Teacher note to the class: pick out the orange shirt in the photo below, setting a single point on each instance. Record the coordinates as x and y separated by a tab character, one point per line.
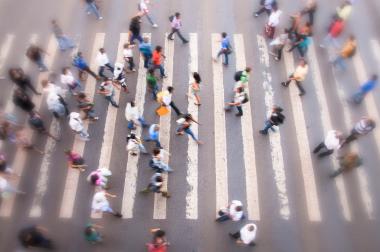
156	58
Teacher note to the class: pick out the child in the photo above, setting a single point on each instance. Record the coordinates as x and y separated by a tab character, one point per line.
128	56
119	76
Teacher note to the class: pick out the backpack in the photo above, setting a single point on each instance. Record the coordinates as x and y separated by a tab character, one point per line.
36	122
155	167
171	18
238	75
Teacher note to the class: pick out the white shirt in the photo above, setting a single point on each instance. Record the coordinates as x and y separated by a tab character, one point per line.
274	18
75	122
176	23
127	52
3	183
167	98
52	88
99	201
131	113
248	236
67	78
52	101
332	141
235	215
102	59
144	6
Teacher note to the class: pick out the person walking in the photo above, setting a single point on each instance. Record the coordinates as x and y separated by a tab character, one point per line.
225	49
57	105
76	124
364	89
273	21
164	98
195	88
143	8
100	177
154	131
82	66
333	141
298	76
64	42
240	98
67	78
91	234
234	212
103	62
128	56
347	163
75	160
35	121
184	126
176	25
302	45
135	29
22	80
278	45
157	60
335	30
157	162
364	126
133	116
107	88
266	6
34	53
145	49
35	236
348	51
119	76
159	242
152	83
134	145
100	203
87	107
275	119
6	189
22	100
246	235
92	8
155	185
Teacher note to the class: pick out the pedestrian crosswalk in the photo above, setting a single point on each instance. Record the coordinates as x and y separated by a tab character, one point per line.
254	194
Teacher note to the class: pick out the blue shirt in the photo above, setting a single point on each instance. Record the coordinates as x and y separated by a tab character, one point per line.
152	133
225	43
145	48
80	62
368	86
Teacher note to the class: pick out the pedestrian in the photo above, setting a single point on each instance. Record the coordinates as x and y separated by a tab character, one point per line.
6	189
93	8
164	98
67	78
76	124
333	141
364	89
176	25
135	145
145	49
103	62
63	41
75	160
309	10
57	105
87	107
143	8
240	98
159	242
35	121
128	56
302	44
100	203
348	51
234	212
273	21
35	236
152	83
34	53
275	119
154	131
157	62
157	162
298	76
184	126
347	162
22	100
119	76
195	88
246	235
22	80
82	66
135	29
91	234
361	128
344	10
133	116
335	30
107	88
266	6
242	78
278	45
225	49
100	177
155	185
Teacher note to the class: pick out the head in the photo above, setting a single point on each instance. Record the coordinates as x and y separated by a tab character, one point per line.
14	73
101	50
238	209
67	152
275	6
248	69
351	37
374	77
170	89
65	70
81	95
156	151
251	228
151	71
126	45
240	89
54	22
177	15
369	122
159	179
303	62
132	103
157	127
44	83
159	48
79	54
146	40
88	231
277	109
224	34
197	77
94	178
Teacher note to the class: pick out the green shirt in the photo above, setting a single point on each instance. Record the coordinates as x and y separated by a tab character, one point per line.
244	77
151	80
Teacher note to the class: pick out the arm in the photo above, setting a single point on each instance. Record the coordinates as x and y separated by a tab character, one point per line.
111	195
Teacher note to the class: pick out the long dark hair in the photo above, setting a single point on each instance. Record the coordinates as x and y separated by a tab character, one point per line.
197	77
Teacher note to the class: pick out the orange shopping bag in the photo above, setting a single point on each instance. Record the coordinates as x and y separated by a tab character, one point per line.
162	110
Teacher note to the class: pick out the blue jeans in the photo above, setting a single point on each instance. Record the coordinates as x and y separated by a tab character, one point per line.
147	59
134	36
65	43
111	100
358	97
76	85
268	125
143	123
158	144
154	92
41	65
162	70
225	56
340	61
190	133
91	7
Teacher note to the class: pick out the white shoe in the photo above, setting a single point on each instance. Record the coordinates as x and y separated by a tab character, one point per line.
155	25
88	13
100	18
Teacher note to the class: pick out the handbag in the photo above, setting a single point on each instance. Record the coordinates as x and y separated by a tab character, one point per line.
162	110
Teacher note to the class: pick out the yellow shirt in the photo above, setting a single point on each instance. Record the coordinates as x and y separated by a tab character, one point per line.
344	12
348	48
301	72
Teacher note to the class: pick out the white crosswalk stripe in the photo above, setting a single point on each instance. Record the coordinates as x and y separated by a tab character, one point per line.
4	50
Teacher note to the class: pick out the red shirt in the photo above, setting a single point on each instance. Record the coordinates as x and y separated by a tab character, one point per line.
156	58
336	28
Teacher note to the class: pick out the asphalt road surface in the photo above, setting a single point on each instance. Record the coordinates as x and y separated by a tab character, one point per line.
285	189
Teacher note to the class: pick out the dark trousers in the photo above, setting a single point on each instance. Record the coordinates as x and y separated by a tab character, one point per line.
147	58
131	63
352	137
135	36
179	35
174	107
320	147
102	68
298	84
279	52
262	9
225	55
89	71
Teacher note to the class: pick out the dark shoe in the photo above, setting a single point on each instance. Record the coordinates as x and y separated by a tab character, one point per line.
263	132
301	94
284	84
118	215
255	14
238	114
185	42
170	38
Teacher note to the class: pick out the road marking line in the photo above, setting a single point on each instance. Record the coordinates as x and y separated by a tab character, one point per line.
109	128
159	211
253	207
72	178
192	152
274	139
327	125
5	49
131	172
219	129
311	194
21	155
